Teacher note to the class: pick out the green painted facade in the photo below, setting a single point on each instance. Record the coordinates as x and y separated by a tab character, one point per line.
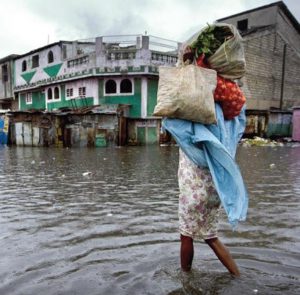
75	103
38	101
151	96
70	103
28	76
151	135
52	71
146	135
141	135
133	100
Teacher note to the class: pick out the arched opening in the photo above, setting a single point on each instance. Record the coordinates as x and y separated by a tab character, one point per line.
56	93
49	94
24	66
50	57
126	86
111	86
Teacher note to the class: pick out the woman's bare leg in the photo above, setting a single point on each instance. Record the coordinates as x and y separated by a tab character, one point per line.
186	253
224	255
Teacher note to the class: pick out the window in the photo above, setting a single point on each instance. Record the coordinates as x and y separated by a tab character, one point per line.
119	86
69	92
110	87
4	73
53	93
49	94
78	61
64	51
56	93
35	61
50	57
126	86
24	66
242	25
28	98
82	91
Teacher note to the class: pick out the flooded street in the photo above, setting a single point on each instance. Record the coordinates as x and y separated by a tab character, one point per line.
104	221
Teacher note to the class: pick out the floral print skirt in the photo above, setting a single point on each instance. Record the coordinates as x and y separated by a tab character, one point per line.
199	203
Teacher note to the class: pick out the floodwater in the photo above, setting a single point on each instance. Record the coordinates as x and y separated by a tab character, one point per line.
104	221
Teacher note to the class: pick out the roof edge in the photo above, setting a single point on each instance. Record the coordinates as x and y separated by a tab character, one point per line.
42	48
279	4
8	58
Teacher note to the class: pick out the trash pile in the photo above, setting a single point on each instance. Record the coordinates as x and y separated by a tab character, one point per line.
259	141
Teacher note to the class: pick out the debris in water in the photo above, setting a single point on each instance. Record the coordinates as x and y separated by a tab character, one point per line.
109	214
272	165
88	173
32	162
259	141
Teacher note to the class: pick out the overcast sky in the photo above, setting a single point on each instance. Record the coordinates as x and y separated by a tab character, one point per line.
28	24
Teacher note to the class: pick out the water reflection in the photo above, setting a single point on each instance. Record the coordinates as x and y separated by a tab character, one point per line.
104	221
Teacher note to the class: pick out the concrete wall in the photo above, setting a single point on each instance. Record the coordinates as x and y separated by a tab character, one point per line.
262	17
38	73
77	64
264	50
263	79
287	31
6	87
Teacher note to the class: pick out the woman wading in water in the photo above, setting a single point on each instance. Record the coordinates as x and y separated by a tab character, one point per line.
208	174
199	207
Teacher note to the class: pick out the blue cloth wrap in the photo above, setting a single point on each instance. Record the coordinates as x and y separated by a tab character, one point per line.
214	146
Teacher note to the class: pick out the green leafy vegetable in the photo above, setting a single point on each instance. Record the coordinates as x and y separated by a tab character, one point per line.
210	39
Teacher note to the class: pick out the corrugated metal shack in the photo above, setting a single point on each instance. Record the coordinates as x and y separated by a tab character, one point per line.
91	127
269	123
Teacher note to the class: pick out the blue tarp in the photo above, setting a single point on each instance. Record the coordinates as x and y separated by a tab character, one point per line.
3	134
214	146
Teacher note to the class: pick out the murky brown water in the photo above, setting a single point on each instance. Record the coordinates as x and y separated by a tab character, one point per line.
115	231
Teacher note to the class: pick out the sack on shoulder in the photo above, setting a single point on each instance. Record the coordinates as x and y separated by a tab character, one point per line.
229	60
186	92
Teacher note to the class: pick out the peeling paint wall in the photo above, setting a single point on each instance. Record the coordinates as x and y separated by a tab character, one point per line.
279	124
65	130
144	132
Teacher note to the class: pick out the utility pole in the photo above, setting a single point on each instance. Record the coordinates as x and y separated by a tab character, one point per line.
282	76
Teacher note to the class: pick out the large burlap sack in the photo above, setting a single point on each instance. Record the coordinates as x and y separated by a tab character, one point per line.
186	92
229	60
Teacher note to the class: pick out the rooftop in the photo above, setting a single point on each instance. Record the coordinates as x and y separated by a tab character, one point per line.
279	4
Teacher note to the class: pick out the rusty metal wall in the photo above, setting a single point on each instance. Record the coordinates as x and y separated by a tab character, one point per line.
143	131
68	130
279	124
96	130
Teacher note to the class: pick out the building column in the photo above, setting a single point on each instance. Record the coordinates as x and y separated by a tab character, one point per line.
144	95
